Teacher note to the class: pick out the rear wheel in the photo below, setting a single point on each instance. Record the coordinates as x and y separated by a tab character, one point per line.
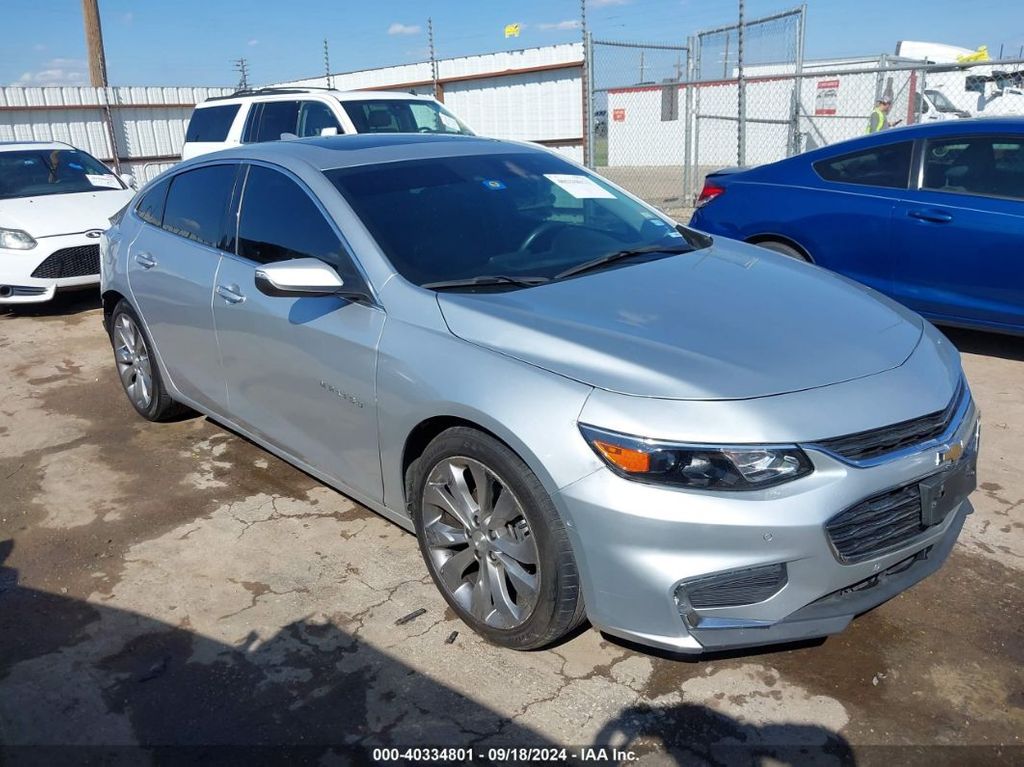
137	369
784	249
493	541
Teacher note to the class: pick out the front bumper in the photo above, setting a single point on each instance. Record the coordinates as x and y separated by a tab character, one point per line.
636	543
19	286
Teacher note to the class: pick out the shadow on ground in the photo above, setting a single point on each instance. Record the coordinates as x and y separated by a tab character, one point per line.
309	691
989	344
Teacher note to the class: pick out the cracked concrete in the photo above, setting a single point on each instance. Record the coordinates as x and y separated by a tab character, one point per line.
174	583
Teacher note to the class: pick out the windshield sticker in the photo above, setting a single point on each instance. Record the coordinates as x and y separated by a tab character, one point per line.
493	183
75	166
580	187
106	180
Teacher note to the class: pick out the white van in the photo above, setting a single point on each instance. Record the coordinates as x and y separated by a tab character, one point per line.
269	114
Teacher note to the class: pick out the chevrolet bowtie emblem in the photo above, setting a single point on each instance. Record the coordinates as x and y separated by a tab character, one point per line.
951	454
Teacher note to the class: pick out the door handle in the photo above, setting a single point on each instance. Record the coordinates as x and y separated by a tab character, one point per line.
230	293
934	216
145	260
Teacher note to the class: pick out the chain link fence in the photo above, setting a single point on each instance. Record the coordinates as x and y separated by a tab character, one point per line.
665	116
638	129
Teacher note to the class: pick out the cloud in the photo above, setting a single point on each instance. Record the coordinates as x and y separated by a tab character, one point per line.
561	25
39	47
254	41
127	18
404	29
56	72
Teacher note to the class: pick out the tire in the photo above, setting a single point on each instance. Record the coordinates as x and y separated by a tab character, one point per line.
784	249
137	368
464	535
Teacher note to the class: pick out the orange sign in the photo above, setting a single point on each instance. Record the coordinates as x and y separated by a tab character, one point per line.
619	115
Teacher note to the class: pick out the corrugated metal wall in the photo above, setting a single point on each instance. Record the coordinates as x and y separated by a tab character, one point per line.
534	94
144	131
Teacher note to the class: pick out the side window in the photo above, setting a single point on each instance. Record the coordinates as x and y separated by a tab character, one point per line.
984	165
314	117
885	166
279	221
211	123
277	117
197	202
151	207
252	122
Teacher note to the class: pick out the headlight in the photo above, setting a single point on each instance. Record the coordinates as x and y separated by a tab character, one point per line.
15	239
699	467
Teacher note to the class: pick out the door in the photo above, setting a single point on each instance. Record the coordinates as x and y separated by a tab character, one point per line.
300	372
852	225
171	269
958	241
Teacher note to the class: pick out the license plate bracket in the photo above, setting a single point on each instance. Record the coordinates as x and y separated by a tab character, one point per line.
943	492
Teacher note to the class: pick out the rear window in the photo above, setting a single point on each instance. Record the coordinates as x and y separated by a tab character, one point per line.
211	123
197	202
885	166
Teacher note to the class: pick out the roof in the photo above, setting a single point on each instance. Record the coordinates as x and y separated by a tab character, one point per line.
286	93
327	152
16	146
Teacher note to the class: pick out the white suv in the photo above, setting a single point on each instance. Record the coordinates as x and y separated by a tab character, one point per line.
269	114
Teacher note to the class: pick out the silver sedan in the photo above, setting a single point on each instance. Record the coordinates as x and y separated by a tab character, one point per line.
582	409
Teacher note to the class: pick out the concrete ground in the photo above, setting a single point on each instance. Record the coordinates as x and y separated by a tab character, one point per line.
169	584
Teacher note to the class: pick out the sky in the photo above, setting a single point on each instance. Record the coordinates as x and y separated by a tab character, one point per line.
194	42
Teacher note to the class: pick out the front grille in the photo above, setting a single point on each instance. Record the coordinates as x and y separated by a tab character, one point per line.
881	523
80	261
865	445
734	588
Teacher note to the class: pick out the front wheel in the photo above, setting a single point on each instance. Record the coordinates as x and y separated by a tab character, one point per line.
784	249
493	541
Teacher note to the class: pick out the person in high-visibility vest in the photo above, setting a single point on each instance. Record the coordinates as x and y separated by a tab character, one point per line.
879	119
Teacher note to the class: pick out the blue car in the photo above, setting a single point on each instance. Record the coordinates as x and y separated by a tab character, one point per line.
931	215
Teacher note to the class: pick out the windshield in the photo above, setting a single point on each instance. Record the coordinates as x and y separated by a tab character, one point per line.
938	98
33	172
402	116
521	215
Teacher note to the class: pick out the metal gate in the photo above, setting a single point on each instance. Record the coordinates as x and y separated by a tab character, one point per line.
638	126
738	119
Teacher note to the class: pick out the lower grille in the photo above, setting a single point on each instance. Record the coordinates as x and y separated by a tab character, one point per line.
734	588
80	261
20	290
872	527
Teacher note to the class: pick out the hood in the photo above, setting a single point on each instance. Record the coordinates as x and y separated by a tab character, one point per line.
53	214
728	322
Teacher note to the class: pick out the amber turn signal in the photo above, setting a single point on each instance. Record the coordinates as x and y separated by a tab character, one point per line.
632	461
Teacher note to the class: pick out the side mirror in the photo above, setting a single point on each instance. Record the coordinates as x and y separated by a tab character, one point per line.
299	278
129	179
328	131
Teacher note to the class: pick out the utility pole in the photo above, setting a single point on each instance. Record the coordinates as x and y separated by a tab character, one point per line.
94	44
433	58
242	67
641	65
327	65
741	133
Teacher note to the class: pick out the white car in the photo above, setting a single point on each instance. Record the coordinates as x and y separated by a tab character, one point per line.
55	201
269	114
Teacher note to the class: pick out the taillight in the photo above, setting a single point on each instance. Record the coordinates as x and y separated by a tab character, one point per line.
710	191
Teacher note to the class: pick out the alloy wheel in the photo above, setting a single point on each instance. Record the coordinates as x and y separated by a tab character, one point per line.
480	542
133	363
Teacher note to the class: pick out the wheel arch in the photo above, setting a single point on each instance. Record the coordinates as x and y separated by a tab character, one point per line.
424	432
757	239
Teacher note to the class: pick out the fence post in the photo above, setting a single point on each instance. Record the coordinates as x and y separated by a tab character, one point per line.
588	101
794	133
741	96
108	120
687	125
